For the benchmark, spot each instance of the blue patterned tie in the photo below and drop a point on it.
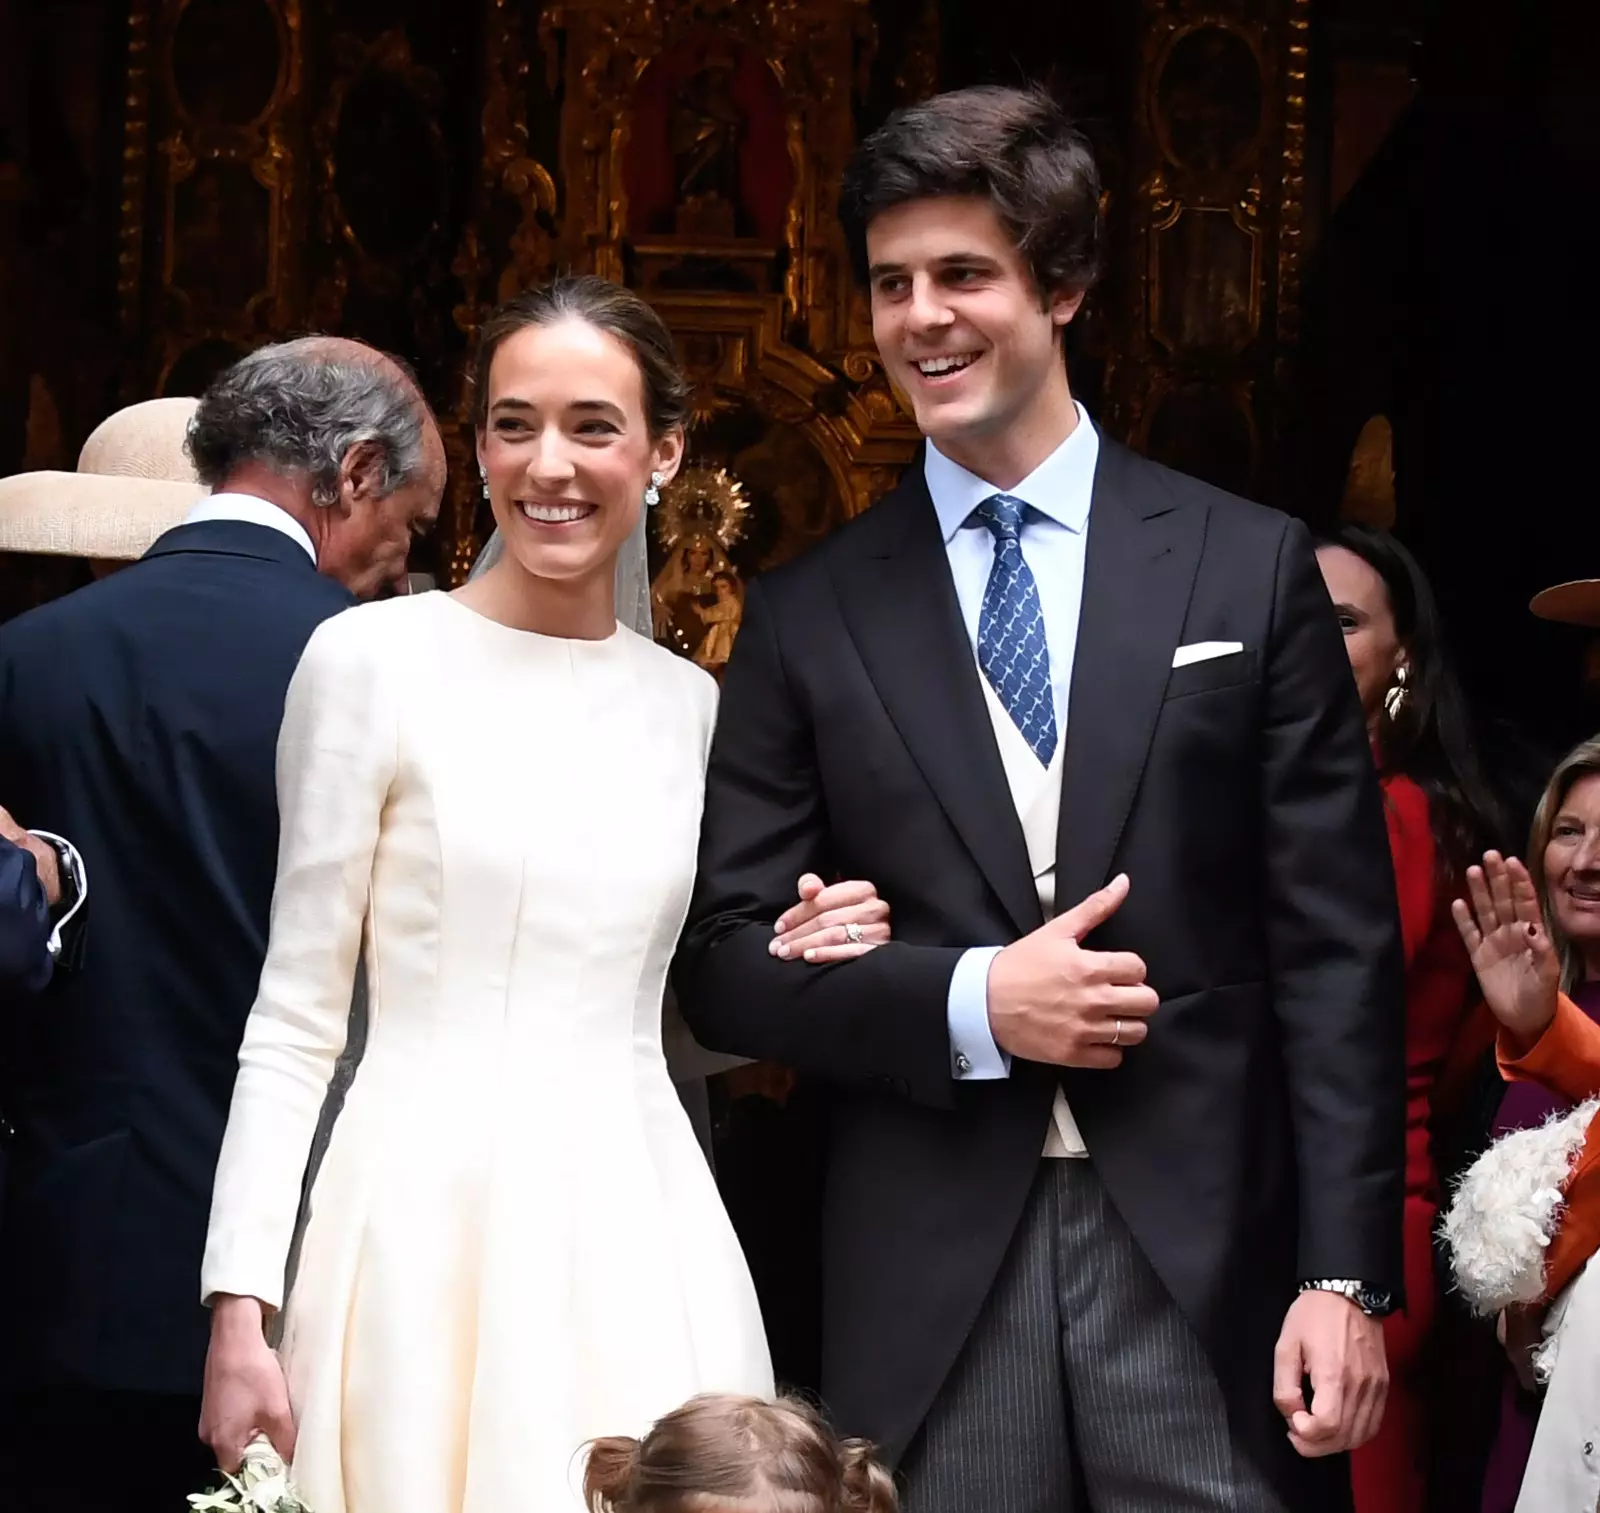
(1012, 650)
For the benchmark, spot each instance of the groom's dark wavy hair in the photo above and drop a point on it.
(1015, 148)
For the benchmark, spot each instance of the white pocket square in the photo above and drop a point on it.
(1204, 651)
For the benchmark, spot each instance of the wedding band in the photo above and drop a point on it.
(852, 933)
(1116, 1036)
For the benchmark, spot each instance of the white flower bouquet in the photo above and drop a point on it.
(261, 1486)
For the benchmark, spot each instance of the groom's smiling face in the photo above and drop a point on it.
(962, 329)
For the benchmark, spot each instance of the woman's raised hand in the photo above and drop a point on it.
(1512, 953)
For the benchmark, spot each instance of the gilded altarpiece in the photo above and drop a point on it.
(701, 143)
(390, 169)
(1213, 220)
(210, 215)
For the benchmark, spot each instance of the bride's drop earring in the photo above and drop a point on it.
(652, 495)
(483, 474)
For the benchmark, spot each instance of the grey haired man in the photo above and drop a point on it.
(141, 717)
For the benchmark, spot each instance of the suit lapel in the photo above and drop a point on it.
(900, 604)
(1143, 552)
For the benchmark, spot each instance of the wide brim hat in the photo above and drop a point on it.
(134, 483)
(1574, 603)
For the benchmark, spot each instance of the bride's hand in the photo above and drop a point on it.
(245, 1393)
(1511, 951)
(832, 923)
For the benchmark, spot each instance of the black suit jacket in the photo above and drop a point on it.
(141, 718)
(1256, 1138)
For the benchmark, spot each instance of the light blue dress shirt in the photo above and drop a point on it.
(1054, 537)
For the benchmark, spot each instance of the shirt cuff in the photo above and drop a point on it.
(974, 1057)
(74, 873)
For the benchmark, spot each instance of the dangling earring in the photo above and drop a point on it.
(483, 474)
(652, 495)
(1395, 699)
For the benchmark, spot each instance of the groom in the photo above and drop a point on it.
(1114, 1202)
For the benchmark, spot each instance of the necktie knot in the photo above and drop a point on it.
(1003, 515)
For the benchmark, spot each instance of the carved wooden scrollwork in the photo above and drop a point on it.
(221, 77)
(702, 146)
(1218, 149)
(135, 168)
(372, 171)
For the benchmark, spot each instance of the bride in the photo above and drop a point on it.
(514, 1242)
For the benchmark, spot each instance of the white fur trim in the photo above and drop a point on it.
(1507, 1208)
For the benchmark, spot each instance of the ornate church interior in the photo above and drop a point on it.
(1349, 267)
(1351, 275)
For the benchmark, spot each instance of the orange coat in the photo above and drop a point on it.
(1566, 1060)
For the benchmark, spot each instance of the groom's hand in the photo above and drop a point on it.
(1052, 1001)
(1327, 1338)
(44, 857)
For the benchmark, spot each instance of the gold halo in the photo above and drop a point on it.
(701, 501)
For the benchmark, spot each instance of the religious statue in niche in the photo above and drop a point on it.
(708, 156)
(704, 127)
(697, 596)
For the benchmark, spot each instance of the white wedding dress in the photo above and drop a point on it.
(514, 1241)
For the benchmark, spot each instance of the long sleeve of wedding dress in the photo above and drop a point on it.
(336, 759)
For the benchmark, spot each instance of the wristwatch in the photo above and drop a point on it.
(74, 885)
(1369, 1300)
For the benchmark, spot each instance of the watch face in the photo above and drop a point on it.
(70, 886)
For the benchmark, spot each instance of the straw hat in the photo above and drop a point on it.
(1575, 603)
(134, 482)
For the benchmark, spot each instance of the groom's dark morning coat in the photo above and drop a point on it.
(1256, 1138)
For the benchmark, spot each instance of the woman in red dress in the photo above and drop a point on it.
(1441, 816)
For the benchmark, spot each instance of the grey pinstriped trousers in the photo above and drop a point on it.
(1082, 1388)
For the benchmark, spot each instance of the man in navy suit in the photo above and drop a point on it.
(141, 718)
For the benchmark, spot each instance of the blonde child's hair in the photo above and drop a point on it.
(726, 1454)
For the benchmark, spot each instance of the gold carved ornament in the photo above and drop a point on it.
(701, 501)
(703, 512)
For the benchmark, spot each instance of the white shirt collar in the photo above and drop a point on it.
(1060, 487)
(252, 511)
